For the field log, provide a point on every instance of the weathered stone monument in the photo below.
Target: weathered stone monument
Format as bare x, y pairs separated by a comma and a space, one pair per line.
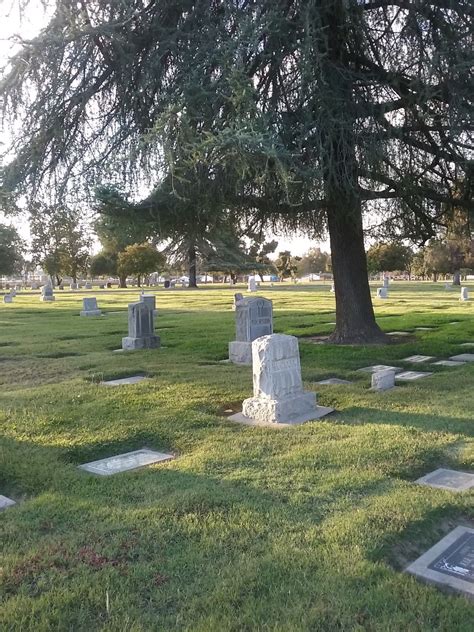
237, 298
386, 281
8, 298
252, 284
141, 328
47, 293
253, 318
383, 380
464, 294
89, 307
150, 300
382, 292
278, 395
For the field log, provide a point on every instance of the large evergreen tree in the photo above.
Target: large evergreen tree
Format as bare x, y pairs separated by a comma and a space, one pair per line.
303, 112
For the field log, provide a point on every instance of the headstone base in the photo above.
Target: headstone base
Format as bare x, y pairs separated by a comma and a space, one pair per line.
317, 413
240, 352
282, 410
95, 312
48, 298
148, 342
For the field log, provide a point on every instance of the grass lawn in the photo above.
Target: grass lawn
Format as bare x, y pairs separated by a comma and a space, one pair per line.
303, 528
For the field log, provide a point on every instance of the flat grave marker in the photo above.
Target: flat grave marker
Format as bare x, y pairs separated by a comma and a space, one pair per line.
334, 380
463, 357
6, 502
410, 376
415, 359
450, 562
375, 368
398, 333
452, 480
467, 344
133, 379
424, 328
125, 462
450, 363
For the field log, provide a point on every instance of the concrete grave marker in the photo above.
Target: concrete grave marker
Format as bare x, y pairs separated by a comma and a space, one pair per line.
125, 462
451, 480
8, 298
450, 562
47, 293
463, 357
424, 328
6, 502
451, 363
416, 359
237, 298
253, 318
124, 381
141, 328
277, 385
252, 284
383, 380
334, 380
398, 333
382, 292
386, 282
464, 294
89, 307
410, 376
150, 300
379, 367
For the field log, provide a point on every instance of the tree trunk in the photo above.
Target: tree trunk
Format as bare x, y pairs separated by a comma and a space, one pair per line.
457, 277
123, 281
139, 281
192, 265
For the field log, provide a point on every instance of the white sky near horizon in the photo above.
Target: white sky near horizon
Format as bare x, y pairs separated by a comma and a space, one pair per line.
27, 23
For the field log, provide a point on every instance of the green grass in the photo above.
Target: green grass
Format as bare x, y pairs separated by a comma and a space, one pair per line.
304, 528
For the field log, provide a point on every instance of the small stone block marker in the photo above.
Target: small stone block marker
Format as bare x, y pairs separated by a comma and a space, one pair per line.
379, 367
6, 502
253, 318
141, 328
8, 298
125, 462
47, 293
409, 376
123, 381
334, 380
383, 380
451, 363
279, 397
415, 359
451, 480
89, 307
450, 562
382, 292
463, 357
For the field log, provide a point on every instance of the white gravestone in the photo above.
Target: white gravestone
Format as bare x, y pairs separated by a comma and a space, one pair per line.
386, 282
383, 380
150, 300
253, 318
464, 294
252, 284
89, 307
141, 328
8, 298
382, 292
277, 385
47, 293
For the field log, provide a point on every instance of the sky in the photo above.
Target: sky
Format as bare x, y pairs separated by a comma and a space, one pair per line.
27, 23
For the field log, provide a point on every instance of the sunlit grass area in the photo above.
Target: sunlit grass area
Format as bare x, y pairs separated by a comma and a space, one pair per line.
303, 528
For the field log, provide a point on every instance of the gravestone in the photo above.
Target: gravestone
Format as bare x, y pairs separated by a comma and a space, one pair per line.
47, 293
382, 292
125, 462
125, 381
410, 376
89, 307
150, 300
450, 363
386, 282
450, 562
447, 286
8, 298
376, 368
451, 480
398, 333
87, 285
253, 318
464, 294
334, 381
463, 357
278, 395
332, 289
141, 328
6, 502
252, 284
237, 298
416, 359
383, 380
101, 286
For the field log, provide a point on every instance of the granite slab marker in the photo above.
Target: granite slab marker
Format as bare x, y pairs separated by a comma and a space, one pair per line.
452, 480
89, 307
410, 376
6, 502
334, 380
379, 367
383, 380
416, 359
125, 462
253, 318
141, 328
463, 357
449, 363
123, 381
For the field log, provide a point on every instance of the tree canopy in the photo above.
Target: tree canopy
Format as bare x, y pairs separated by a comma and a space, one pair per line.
12, 248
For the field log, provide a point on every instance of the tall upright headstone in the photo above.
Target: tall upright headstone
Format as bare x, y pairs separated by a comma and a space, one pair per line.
382, 292
252, 284
278, 395
47, 293
386, 281
150, 300
253, 318
89, 307
464, 294
141, 328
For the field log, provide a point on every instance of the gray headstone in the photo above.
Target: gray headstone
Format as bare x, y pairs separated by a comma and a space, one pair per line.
237, 298
47, 293
464, 294
125, 462
450, 562
382, 292
278, 395
8, 298
150, 300
141, 328
463, 357
252, 284
253, 319
125, 381
383, 380
89, 307
386, 282
451, 480
88, 285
